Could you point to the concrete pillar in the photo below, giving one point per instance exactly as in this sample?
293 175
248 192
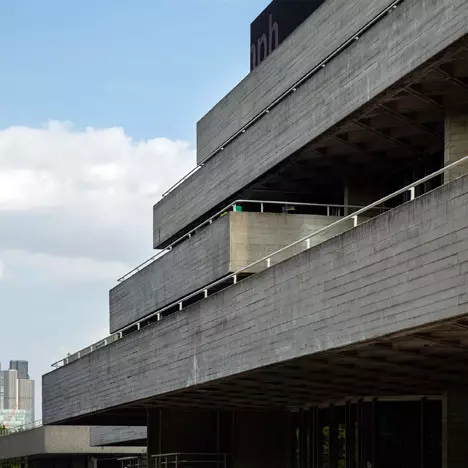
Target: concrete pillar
455 430
456 141
360 193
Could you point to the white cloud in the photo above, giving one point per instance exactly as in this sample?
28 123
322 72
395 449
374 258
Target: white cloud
78 204
39 267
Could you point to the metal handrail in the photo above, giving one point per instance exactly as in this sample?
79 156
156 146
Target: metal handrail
292 89
265 260
24 427
176 459
218 214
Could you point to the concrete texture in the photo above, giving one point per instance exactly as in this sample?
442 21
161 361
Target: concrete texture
456 141
406 268
325 30
73 440
189 266
401 42
229 244
117 435
256 235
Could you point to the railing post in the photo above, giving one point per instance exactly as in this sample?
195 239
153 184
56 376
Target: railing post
308 243
234 279
206 293
355 221
412 192
180 305
261 208
268 262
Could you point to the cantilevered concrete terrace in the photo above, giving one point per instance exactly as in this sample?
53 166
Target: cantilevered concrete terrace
388 295
368 118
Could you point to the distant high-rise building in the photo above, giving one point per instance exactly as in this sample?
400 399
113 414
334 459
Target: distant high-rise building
17 392
21 367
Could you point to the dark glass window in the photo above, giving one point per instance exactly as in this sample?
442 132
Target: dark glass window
399 434
432 433
324 437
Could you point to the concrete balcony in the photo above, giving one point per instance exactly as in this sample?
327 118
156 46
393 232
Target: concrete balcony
116 436
231 243
62 444
326 29
360 106
288 335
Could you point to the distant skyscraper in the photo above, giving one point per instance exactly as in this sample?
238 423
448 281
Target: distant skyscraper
21 367
16 395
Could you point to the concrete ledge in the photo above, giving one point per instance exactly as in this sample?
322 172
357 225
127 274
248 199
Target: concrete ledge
118 435
228 245
54 440
324 31
400 43
404 269
191 265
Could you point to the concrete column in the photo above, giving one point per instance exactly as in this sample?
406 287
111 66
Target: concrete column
456 141
455 430
360 193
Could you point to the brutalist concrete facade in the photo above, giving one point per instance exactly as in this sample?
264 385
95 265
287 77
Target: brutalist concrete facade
349 348
61 447
396 46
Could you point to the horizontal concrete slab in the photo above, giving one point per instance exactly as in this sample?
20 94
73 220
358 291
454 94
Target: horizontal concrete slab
226 246
192 264
118 435
257 235
406 268
54 440
397 45
333 23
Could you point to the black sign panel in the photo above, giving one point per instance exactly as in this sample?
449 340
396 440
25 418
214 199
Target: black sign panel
275 24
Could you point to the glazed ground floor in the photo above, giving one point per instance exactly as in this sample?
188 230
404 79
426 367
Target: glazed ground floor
428 431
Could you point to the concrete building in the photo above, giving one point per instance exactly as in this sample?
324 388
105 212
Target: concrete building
285 326
17 393
63 447
22 367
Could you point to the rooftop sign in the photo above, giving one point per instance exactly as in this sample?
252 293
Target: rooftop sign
275 24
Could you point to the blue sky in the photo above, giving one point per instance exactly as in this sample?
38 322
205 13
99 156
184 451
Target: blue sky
151 66
99 102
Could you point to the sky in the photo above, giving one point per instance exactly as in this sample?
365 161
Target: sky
98 108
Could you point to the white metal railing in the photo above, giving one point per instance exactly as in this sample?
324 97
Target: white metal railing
176 460
292 89
266 261
130 462
5 430
330 210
